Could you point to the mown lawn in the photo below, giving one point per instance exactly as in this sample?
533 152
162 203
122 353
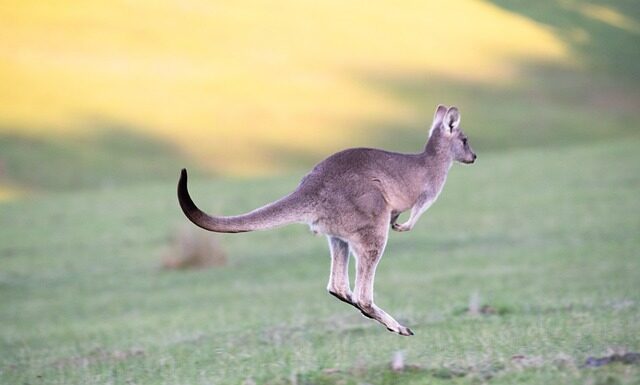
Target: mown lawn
547 237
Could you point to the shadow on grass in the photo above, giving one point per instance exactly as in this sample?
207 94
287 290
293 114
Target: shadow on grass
112 154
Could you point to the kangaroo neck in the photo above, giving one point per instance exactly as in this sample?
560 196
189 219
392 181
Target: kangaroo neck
436 167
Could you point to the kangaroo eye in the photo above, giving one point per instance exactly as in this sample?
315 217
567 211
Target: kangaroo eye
464 140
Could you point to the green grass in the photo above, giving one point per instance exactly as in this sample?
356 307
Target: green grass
548 236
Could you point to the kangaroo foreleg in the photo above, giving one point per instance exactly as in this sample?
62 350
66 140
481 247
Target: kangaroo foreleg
394 218
423 203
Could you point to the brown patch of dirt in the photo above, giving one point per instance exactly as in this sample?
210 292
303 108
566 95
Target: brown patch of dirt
192 248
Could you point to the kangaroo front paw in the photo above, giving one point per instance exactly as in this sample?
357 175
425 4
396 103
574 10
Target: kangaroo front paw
401 227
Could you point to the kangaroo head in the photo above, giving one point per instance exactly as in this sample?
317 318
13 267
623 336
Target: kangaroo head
446 136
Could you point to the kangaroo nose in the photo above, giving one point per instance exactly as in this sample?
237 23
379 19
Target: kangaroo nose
474 156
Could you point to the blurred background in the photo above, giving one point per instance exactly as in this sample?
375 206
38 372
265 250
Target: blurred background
530 253
104 94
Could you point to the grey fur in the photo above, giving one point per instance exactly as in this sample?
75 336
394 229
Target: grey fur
353 197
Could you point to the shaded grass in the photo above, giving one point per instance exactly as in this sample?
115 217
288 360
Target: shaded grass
547 107
550 235
108 156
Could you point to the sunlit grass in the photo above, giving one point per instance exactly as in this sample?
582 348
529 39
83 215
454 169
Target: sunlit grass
225 81
609 16
9 192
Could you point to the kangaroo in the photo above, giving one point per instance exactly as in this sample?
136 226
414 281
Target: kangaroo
353 197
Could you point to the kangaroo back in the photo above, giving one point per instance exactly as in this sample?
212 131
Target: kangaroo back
281 212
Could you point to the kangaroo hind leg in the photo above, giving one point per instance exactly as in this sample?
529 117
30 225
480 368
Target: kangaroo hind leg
368 251
339 277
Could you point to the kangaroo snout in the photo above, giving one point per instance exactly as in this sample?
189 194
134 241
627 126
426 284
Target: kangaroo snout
472 160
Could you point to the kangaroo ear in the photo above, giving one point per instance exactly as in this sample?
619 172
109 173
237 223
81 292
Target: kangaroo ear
438 117
452 119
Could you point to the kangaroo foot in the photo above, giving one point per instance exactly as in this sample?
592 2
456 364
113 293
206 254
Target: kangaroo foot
402 330
374 312
346 298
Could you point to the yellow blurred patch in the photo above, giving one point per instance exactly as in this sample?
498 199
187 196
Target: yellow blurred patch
609 16
227 82
8 193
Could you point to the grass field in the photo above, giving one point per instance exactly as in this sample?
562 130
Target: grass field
547 238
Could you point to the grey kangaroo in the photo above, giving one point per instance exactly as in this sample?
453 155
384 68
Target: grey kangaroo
353 197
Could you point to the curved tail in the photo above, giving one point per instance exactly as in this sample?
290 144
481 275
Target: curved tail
283 211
